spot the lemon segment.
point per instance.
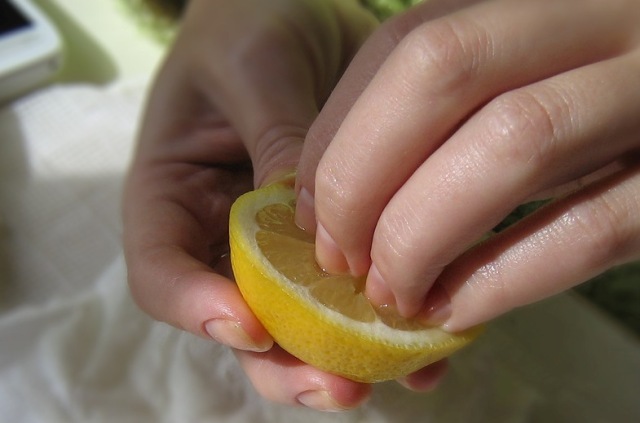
(322, 319)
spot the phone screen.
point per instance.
(11, 19)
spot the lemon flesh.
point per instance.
(322, 319)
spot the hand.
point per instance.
(447, 122)
(229, 111)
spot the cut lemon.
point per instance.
(324, 320)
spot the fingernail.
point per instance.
(437, 307)
(231, 333)
(376, 289)
(427, 378)
(319, 400)
(305, 212)
(328, 254)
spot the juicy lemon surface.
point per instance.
(324, 320)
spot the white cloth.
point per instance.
(74, 347)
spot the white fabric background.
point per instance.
(74, 348)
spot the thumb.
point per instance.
(266, 87)
(269, 66)
(272, 107)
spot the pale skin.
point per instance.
(456, 112)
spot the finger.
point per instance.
(426, 379)
(270, 81)
(563, 245)
(192, 297)
(282, 378)
(234, 70)
(189, 167)
(361, 70)
(439, 74)
(526, 141)
(170, 249)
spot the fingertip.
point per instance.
(305, 216)
(427, 378)
(350, 394)
(328, 254)
(232, 334)
(408, 301)
(347, 398)
(280, 377)
(377, 290)
(437, 307)
(320, 400)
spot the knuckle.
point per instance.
(492, 285)
(274, 147)
(521, 130)
(135, 276)
(336, 194)
(399, 252)
(136, 290)
(260, 40)
(449, 52)
(147, 285)
(392, 31)
(139, 290)
(391, 247)
(601, 225)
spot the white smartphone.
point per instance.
(30, 48)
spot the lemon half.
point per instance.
(322, 319)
